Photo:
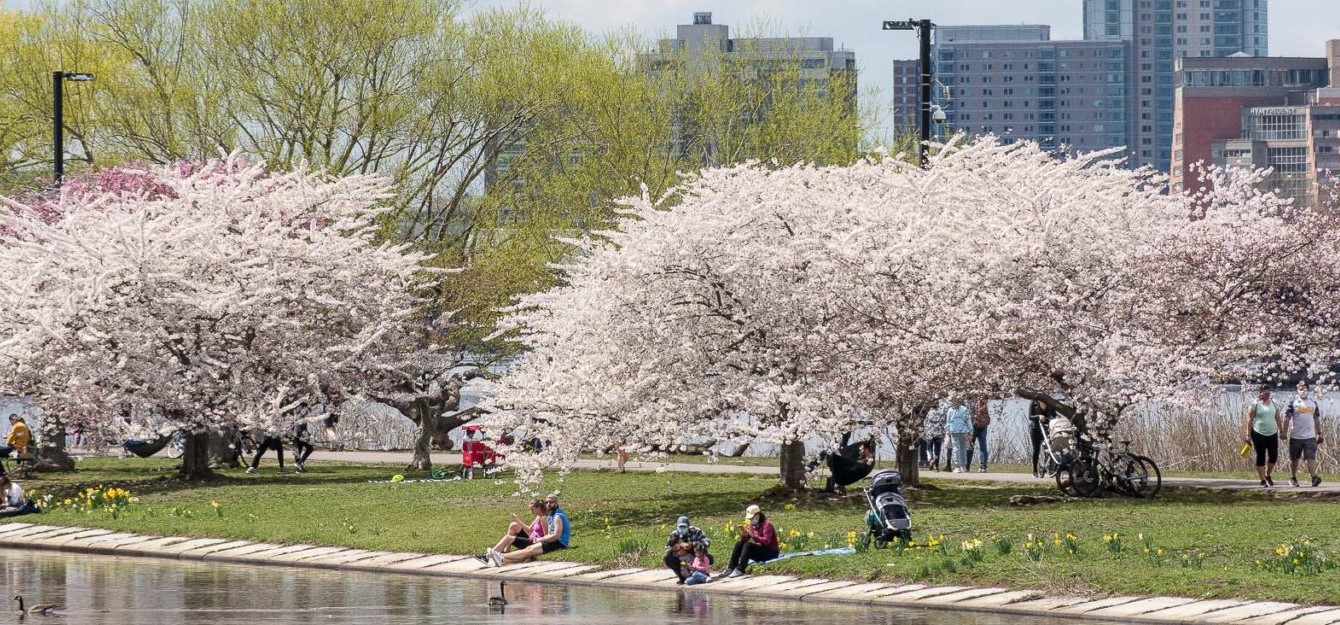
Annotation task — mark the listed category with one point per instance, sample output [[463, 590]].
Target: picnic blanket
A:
[[839, 551]]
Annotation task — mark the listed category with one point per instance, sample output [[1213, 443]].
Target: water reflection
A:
[[134, 591]]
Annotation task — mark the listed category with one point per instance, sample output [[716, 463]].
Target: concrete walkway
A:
[[1125, 609], [403, 458]]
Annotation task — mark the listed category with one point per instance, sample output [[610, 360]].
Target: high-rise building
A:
[[1160, 32], [1017, 83], [906, 96], [1276, 112]]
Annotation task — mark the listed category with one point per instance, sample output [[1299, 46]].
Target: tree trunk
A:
[[905, 455], [422, 460], [222, 455], [445, 425], [793, 465], [195, 462], [51, 454]]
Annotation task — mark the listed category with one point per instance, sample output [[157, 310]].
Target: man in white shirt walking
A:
[[1302, 425]]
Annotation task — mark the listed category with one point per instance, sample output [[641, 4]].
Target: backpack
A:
[[981, 416]]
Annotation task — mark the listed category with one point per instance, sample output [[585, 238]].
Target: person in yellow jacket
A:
[[18, 439]]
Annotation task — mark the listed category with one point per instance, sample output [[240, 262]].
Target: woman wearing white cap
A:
[[757, 543]]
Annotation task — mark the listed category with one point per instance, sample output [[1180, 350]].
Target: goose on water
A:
[[41, 608]]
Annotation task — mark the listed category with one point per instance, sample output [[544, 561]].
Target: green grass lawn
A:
[[623, 519]]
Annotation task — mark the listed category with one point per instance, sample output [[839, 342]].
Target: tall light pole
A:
[[58, 118], [923, 28]]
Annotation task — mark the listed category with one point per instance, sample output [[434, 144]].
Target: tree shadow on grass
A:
[[158, 480]]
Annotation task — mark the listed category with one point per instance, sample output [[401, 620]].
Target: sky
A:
[[1297, 27]]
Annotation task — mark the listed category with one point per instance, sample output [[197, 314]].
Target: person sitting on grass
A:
[[11, 495], [555, 538], [681, 546], [519, 535], [757, 543], [700, 570]]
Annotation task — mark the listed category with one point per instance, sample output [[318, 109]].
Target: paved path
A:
[[403, 458], [1125, 609]]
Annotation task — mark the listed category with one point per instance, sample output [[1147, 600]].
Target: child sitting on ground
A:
[[700, 570]]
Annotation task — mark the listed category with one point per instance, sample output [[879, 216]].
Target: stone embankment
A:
[[1131, 609]]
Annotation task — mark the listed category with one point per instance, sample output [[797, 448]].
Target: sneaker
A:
[[724, 573], [251, 470], [1264, 484], [680, 582], [496, 557], [1316, 481], [484, 559], [299, 467], [736, 573], [1270, 481], [1293, 481], [982, 470]]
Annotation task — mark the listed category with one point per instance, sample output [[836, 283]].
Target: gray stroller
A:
[[888, 516]]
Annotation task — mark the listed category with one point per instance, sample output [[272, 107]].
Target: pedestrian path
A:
[[1123, 609], [446, 458]]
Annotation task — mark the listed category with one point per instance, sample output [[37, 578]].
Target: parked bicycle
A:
[[1098, 468]]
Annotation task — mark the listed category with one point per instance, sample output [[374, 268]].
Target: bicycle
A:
[[177, 447], [1101, 468]]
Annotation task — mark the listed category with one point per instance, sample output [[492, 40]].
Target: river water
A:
[[98, 590]]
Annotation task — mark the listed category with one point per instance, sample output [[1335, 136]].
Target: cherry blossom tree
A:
[[210, 296], [816, 300]]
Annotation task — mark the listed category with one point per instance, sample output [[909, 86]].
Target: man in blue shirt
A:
[[959, 426]]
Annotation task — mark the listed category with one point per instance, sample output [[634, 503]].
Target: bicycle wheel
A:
[[1127, 473], [1086, 477], [1150, 480], [1077, 478], [177, 448]]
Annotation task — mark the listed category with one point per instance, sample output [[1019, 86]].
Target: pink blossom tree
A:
[[816, 300], [212, 296]]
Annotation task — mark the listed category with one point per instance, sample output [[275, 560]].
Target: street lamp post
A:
[[58, 118], [923, 28]]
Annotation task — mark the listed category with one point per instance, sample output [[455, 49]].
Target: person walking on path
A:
[[1263, 429], [981, 420], [302, 446], [269, 442], [555, 537], [681, 547], [1039, 413], [757, 543], [1302, 426], [934, 437], [959, 426]]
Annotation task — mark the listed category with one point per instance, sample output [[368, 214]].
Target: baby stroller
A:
[[475, 453], [1058, 442], [888, 516], [1066, 457]]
